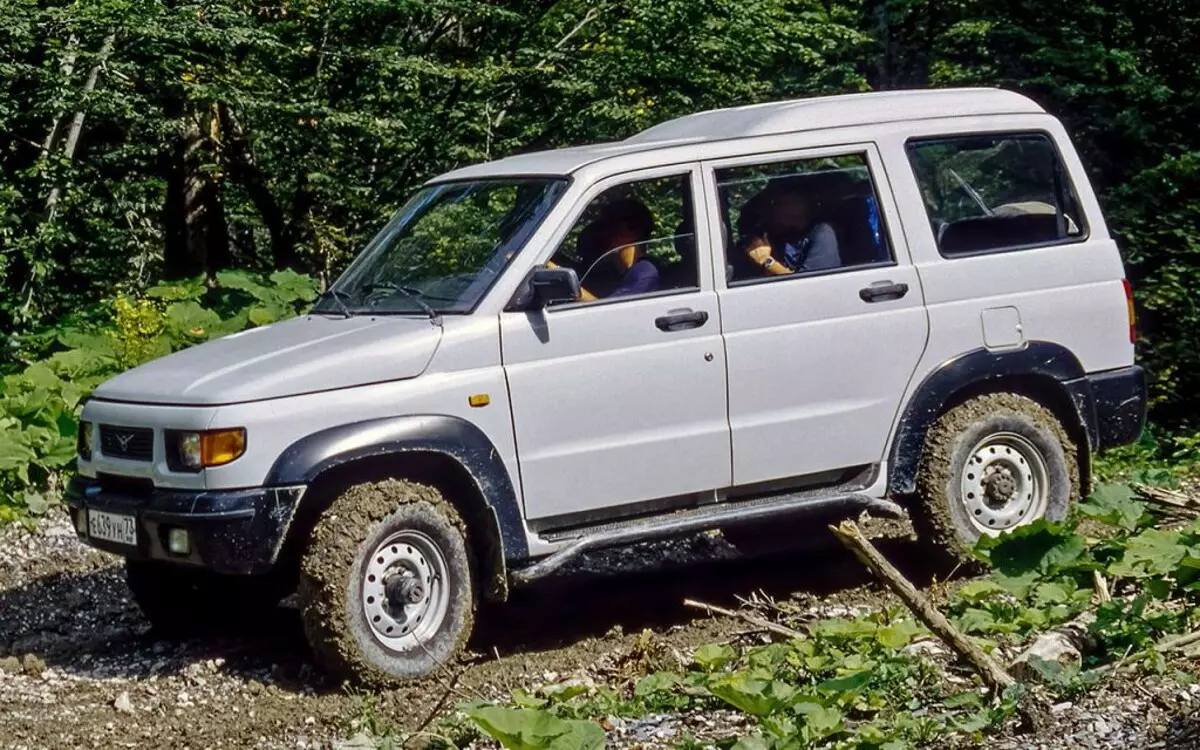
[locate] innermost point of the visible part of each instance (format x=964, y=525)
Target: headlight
x=83, y=441
x=194, y=451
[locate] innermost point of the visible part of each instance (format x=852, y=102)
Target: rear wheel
x=181, y=600
x=989, y=465
x=387, y=588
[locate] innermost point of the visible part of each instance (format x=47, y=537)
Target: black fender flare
x=308, y=458
x=1044, y=360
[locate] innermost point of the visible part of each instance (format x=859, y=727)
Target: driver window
x=634, y=239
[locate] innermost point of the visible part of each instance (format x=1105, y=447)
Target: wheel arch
x=445, y=452
x=1046, y=372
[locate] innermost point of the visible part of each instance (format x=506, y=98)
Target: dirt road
x=79, y=666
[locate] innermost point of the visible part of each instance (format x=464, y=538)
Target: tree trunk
x=238, y=157
x=196, y=233
x=77, y=122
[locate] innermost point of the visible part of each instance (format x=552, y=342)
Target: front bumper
x=230, y=531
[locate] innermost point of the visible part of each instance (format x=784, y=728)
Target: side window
x=996, y=192
x=808, y=215
x=634, y=238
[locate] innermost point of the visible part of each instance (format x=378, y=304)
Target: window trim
x=822, y=152
x=690, y=173
x=1085, y=234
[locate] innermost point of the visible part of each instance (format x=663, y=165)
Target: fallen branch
x=1165, y=646
x=988, y=668
x=758, y=622
x=1170, y=498
x=1100, y=583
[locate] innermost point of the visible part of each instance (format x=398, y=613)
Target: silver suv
x=898, y=302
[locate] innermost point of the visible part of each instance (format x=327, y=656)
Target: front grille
x=131, y=443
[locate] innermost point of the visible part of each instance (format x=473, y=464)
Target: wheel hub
x=1005, y=483
x=404, y=591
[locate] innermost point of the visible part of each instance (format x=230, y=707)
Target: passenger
x=621, y=232
x=794, y=240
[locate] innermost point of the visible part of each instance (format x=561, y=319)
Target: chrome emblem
x=124, y=439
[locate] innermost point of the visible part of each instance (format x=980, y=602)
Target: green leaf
x=745, y=693
x=966, y=698
x=898, y=634
x=1114, y=504
x=1153, y=552
x=1030, y=552
x=190, y=320
x=714, y=656
x=846, y=685
x=820, y=721
x=534, y=729
x=191, y=289
x=978, y=590
x=975, y=620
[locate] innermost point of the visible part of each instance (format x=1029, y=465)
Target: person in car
x=794, y=239
x=616, y=242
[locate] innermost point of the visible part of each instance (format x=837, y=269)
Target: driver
x=617, y=240
x=794, y=240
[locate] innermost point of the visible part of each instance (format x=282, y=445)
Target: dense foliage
x=38, y=403
x=144, y=141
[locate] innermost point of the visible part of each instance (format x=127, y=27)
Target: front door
x=822, y=311
x=621, y=399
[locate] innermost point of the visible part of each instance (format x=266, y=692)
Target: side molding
x=458, y=439
x=1040, y=359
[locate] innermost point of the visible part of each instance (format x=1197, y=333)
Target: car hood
x=301, y=355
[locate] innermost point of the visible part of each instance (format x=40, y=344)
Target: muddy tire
x=387, y=584
x=990, y=464
x=180, y=601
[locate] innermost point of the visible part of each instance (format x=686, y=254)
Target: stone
x=33, y=665
x=1049, y=647
x=10, y=664
x=926, y=648
x=123, y=704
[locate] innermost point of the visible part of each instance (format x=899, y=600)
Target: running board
x=704, y=518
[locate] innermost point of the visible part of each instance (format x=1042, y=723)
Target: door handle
x=883, y=291
x=681, y=321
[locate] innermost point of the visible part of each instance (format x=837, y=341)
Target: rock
x=360, y=741
x=1058, y=708
x=1101, y=728
x=1050, y=647
x=10, y=664
x=123, y=704
x=926, y=648
x=33, y=665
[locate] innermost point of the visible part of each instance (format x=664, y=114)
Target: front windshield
x=443, y=250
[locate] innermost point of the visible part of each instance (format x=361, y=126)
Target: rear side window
x=987, y=193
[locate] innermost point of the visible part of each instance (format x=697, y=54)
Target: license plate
x=112, y=527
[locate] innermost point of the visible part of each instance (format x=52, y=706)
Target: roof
x=774, y=118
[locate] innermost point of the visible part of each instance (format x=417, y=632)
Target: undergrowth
x=45, y=377
x=860, y=682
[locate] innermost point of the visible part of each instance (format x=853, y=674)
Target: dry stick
x=437, y=707
x=1167, y=497
x=1100, y=583
x=1166, y=646
x=759, y=622
x=988, y=668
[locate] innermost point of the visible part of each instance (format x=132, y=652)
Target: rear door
x=818, y=360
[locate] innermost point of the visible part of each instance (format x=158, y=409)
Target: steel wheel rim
x=405, y=595
x=1005, y=483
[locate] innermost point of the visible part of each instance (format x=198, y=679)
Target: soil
x=81, y=668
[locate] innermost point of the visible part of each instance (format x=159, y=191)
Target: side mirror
x=549, y=286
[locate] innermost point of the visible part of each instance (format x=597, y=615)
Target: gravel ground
x=79, y=666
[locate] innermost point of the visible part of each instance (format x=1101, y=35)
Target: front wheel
x=989, y=465
x=386, y=584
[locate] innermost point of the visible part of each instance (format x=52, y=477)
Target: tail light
x=1129, y=307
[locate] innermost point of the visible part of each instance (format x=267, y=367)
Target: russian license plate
x=112, y=527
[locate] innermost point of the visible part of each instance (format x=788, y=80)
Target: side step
x=704, y=518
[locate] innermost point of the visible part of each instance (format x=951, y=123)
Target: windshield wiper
x=336, y=295
x=407, y=291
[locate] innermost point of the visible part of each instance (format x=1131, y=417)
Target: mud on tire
x=990, y=464
x=387, y=584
